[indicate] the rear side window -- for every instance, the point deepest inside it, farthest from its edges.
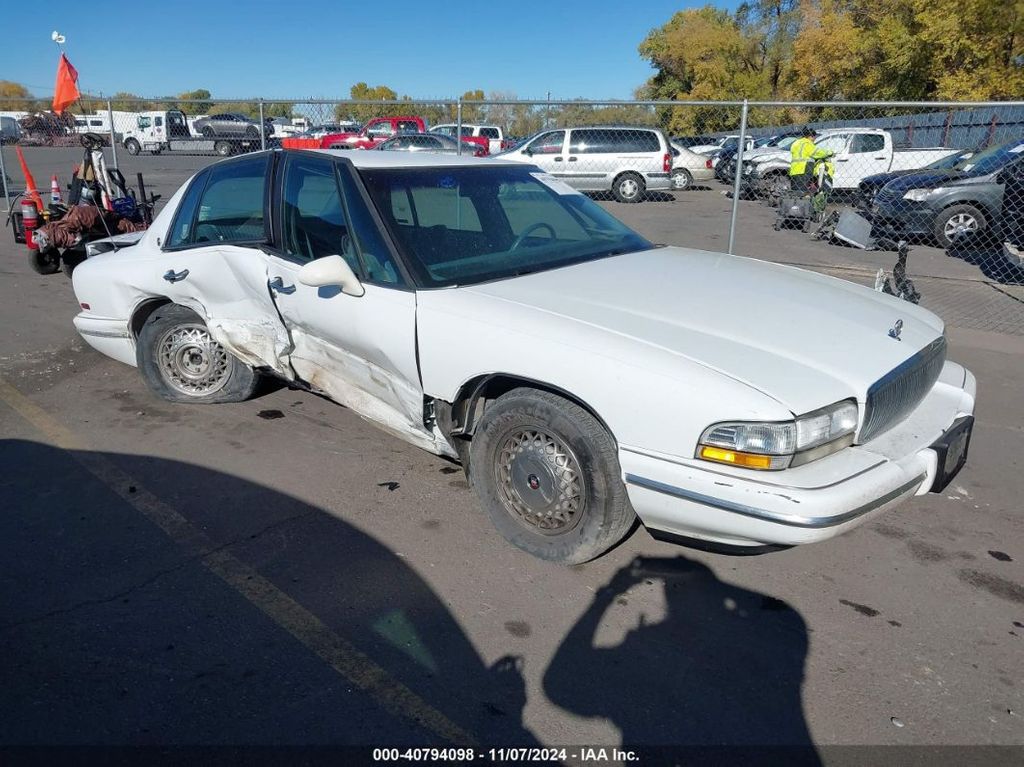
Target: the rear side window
(867, 142)
(489, 132)
(231, 206)
(613, 140)
(181, 228)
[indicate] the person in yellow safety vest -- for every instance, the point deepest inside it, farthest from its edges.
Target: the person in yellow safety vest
(804, 154)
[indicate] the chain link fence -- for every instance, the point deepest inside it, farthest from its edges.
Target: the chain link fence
(921, 200)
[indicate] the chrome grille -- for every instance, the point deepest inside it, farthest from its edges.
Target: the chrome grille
(893, 396)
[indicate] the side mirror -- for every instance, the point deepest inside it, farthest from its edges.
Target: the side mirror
(528, 152)
(331, 271)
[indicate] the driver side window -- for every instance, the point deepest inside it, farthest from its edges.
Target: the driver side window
(313, 221)
(548, 143)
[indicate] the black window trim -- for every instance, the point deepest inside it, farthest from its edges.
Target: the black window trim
(204, 176)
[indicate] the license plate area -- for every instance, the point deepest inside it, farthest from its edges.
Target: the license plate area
(952, 449)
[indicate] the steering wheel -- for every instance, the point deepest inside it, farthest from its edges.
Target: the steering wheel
(532, 228)
(91, 141)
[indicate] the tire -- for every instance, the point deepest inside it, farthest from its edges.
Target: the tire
(132, 146)
(44, 262)
(207, 131)
(966, 216)
(681, 179)
(180, 362)
(629, 187)
(223, 148)
(529, 441)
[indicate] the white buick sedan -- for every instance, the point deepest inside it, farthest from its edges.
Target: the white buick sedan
(583, 376)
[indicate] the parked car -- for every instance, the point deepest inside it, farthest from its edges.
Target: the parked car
(689, 142)
(869, 187)
(999, 248)
(230, 125)
(725, 168)
(857, 154)
(628, 161)
(485, 311)
(688, 167)
(374, 132)
(429, 142)
(10, 131)
(723, 142)
(492, 134)
(940, 203)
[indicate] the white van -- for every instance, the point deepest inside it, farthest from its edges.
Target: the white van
(626, 160)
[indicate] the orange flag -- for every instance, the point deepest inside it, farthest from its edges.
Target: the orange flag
(65, 92)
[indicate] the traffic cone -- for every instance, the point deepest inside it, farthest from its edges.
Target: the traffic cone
(31, 193)
(54, 190)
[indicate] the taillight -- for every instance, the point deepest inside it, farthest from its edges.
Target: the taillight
(708, 165)
(666, 162)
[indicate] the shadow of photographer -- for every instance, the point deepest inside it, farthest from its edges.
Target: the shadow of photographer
(723, 667)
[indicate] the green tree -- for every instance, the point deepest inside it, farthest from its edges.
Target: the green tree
(363, 112)
(15, 97)
(197, 103)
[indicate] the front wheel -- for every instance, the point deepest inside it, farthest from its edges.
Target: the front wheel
(222, 148)
(547, 474)
(958, 219)
(132, 146)
(180, 361)
(207, 131)
(681, 179)
(629, 187)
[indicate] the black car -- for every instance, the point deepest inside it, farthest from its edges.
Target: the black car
(942, 203)
(869, 186)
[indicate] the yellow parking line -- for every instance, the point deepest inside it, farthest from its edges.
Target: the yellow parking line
(393, 696)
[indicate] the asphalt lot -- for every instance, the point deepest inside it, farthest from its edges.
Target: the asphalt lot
(280, 572)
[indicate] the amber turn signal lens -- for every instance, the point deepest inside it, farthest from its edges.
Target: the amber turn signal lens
(736, 458)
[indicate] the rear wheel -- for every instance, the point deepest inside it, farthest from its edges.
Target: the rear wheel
(223, 148)
(629, 187)
(132, 146)
(44, 261)
(957, 219)
(547, 474)
(681, 179)
(180, 361)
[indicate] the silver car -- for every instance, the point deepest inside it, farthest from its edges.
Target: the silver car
(229, 124)
(425, 142)
(628, 161)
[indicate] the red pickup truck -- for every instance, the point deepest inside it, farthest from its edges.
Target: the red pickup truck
(374, 132)
(380, 129)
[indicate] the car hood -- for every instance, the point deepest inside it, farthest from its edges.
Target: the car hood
(881, 179)
(802, 338)
(934, 179)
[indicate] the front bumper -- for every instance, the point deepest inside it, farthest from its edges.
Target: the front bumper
(819, 500)
(904, 218)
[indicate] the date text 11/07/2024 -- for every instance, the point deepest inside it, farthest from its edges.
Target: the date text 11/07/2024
(506, 755)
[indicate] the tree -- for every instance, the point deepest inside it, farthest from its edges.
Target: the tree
(196, 103)
(473, 113)
(21, 99)
(123, 101)
(363, 112)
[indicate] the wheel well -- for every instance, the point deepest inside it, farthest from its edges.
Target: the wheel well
(143, 311)
(979, 205)
(475, 395)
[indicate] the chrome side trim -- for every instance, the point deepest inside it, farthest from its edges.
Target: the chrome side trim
(792, 520)
(704, 466)
(105, 333)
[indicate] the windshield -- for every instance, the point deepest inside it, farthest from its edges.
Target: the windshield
(464, 225)
(992, 159)
(949, 162)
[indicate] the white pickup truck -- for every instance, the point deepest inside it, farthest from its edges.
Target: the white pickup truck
(857, 154)
(493, 133)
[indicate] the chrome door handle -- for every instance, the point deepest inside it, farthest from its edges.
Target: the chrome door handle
(557, 159)
(172, 276)
(277, 285)
(572, 159)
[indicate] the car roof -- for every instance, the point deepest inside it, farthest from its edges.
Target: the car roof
(370, 159)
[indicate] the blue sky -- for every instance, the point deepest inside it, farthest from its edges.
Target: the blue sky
(244, 48)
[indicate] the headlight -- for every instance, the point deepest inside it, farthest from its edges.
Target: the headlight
(920, 195)
(780, 445)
